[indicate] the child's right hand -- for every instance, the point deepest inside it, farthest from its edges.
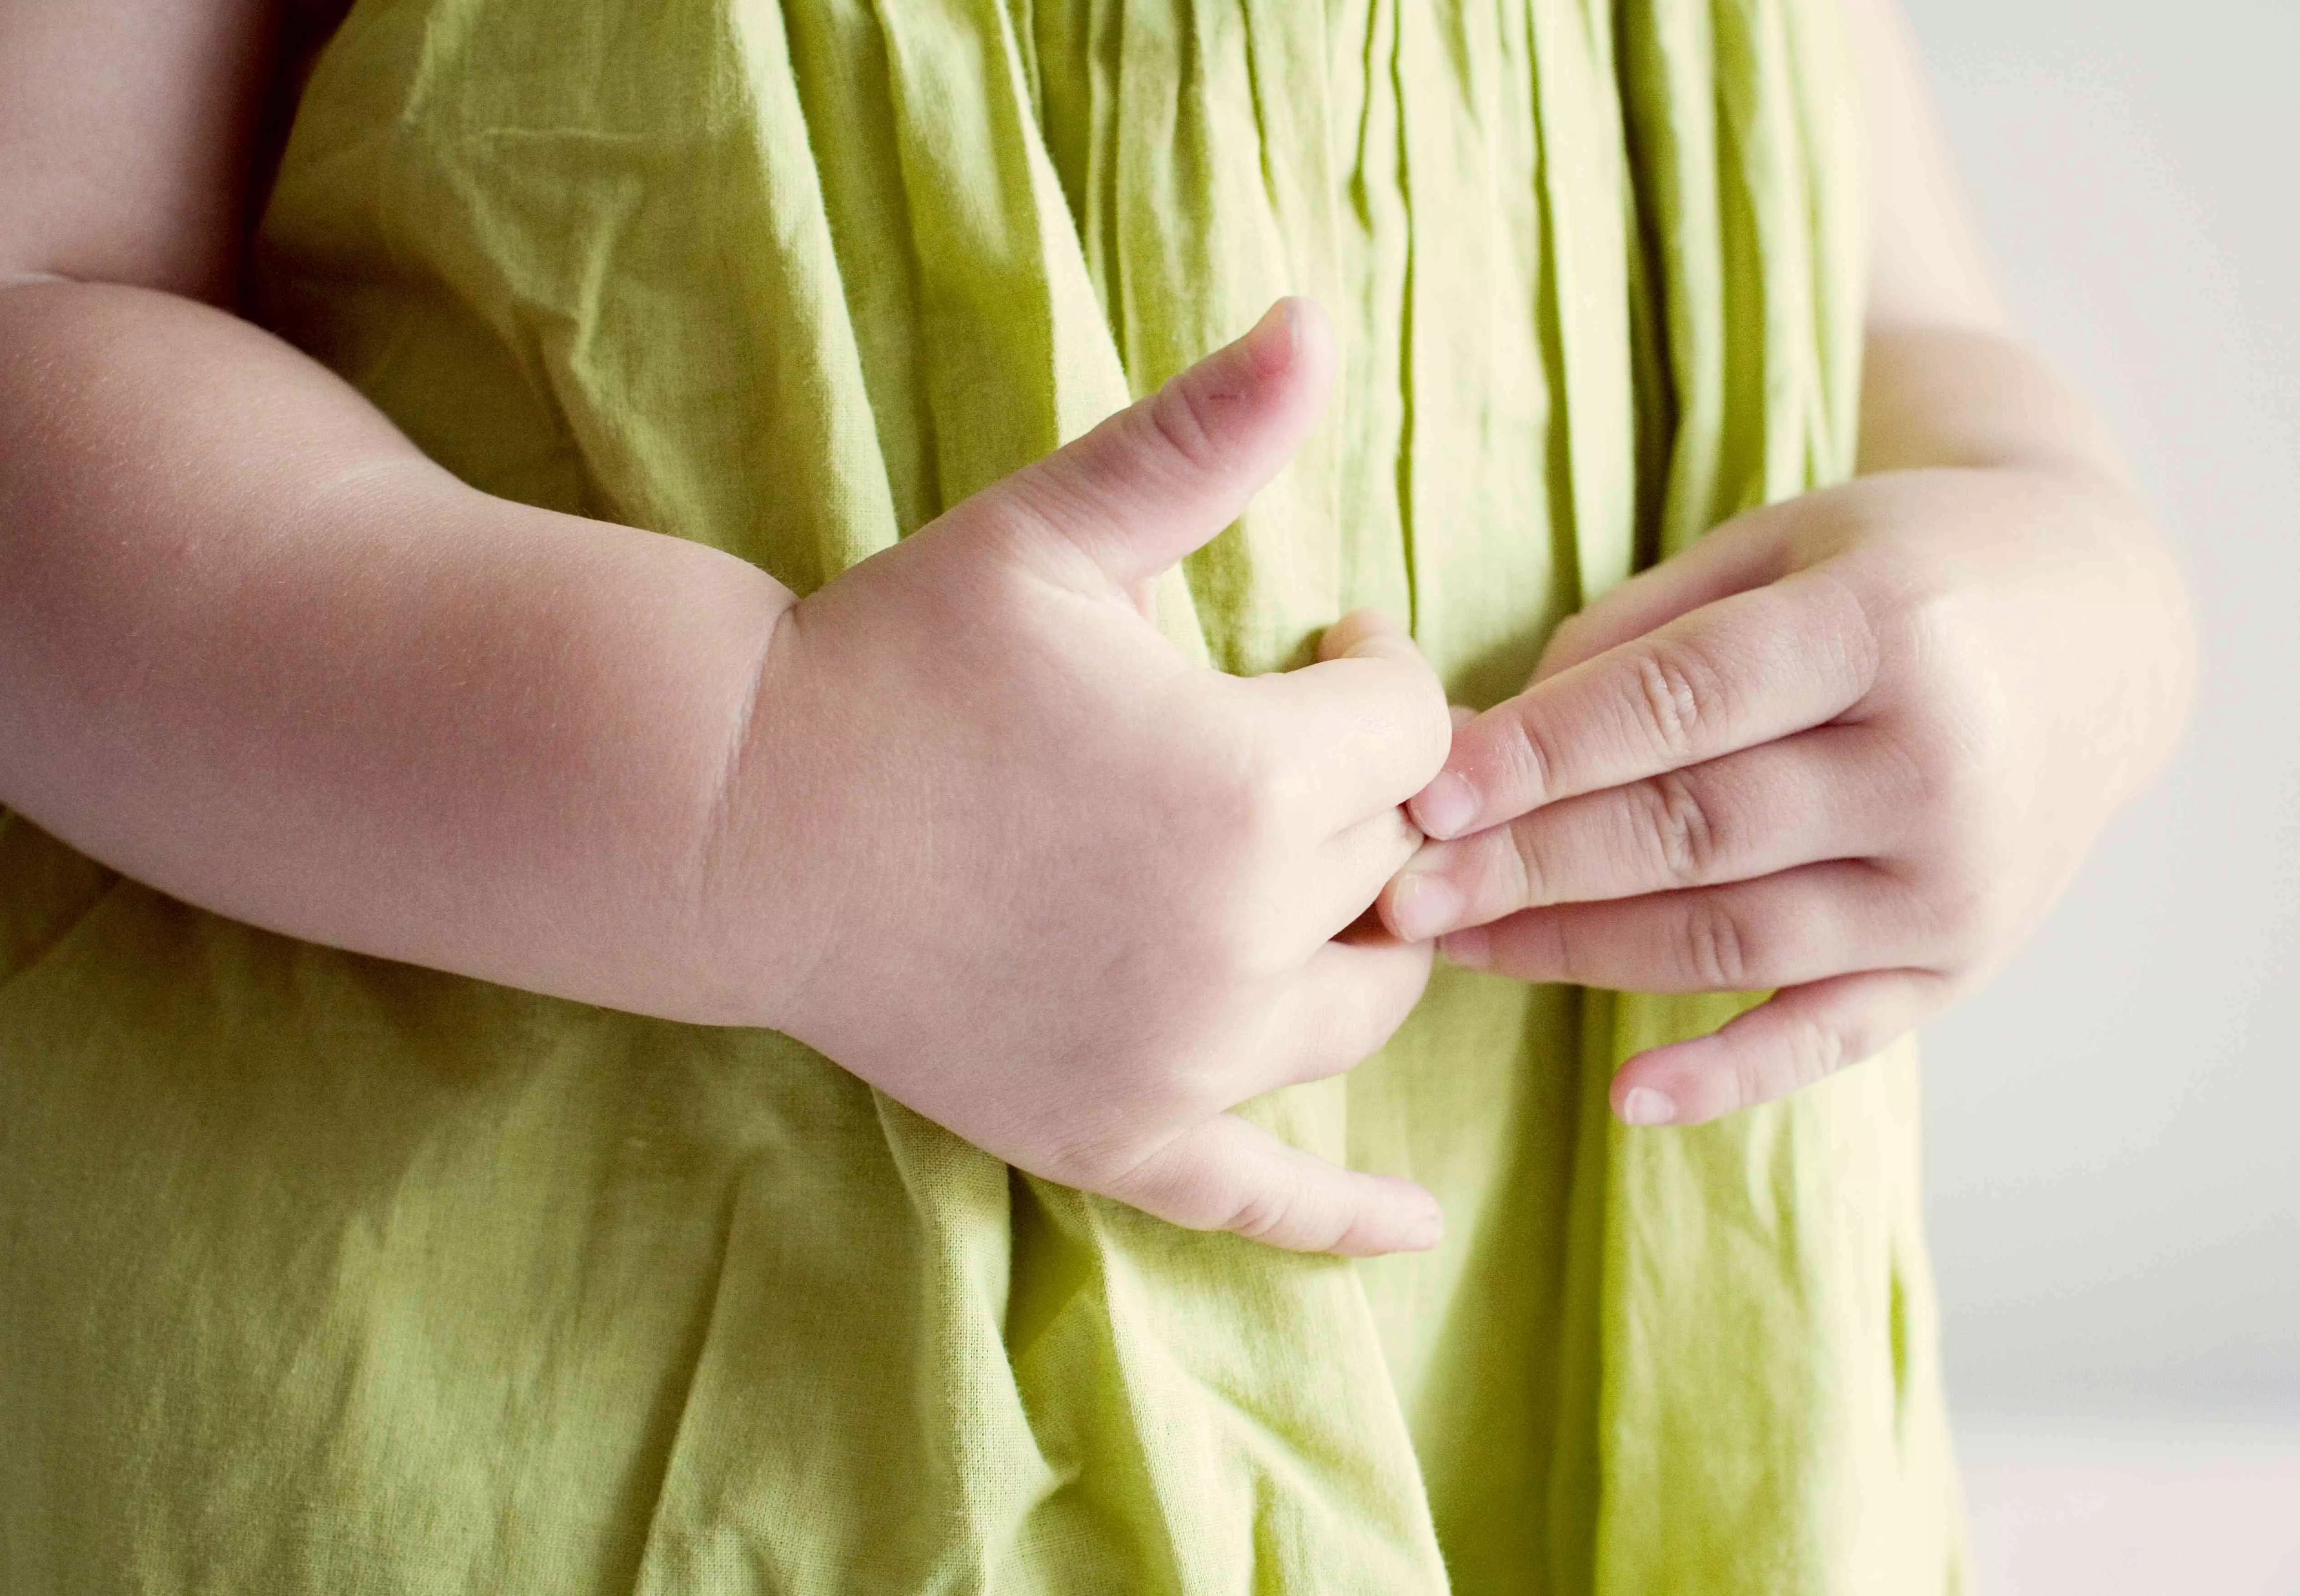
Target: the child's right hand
(1041, 878)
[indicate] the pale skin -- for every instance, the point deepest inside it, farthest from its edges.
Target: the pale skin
(962, 818)
(1852, 746)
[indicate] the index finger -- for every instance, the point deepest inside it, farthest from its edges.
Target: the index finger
(1362, 730)
(1744, 670)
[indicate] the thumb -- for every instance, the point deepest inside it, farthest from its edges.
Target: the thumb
(1230, 1173)
(1162, 477)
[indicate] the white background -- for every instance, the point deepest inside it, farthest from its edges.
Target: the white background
(2115, 1136)
(2114, 1127)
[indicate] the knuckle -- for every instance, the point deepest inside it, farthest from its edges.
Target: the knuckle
(1185, 417)
(1191, 1093)
(1528, 761)
(1677, 828)
(1516, 871)
(1093, 1159)
(1962, 771)
(1679, 695)
(1214, 945)
(1717, 946)
(1038, 509)
(1964, 918)
(1912, 784)
(1262, 805)
(1232, 932)
(1816, 1050)
(1969, 712)
(1236, 792)
(1804, 1052)
(1966, 723)
(1753, 1079)
(1246, 947)
(1262, 1212)
(1751, 1075)
(1851, 628)
(1920, 611)
(1140, 1164)
(1979, 752)
(1541, 946)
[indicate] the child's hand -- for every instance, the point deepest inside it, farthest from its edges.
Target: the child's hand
(1066, 893)
(1851, 746)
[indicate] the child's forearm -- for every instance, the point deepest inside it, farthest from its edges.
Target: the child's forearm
(963, 819)
(1952, 394)
(256, 651)
(1963, 398)
(1943, 384)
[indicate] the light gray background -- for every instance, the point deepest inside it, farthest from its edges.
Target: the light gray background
(2114, 1127)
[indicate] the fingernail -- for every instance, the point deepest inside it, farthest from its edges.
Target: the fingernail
(1444, 807)
(1424, 904)
(1274, 338)
(1645, 1105)
(1472, 948)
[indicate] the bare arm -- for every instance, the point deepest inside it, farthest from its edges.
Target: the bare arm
(258, 651)
(1849, 747)
(962, 820)
(1948, 386)
(1948, 383)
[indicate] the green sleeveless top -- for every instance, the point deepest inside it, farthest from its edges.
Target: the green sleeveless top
(323, 1274)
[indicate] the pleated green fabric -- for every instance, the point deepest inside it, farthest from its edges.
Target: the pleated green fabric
(323, 1274)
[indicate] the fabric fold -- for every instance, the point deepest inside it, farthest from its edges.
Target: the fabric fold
(318, 1271)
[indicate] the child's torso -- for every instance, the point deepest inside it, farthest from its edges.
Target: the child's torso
(329, 1271)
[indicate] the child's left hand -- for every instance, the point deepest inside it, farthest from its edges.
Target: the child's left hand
(1851, 746)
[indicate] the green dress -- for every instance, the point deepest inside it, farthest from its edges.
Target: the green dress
(320, 1273)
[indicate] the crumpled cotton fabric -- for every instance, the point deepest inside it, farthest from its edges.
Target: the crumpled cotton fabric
(320, 1273)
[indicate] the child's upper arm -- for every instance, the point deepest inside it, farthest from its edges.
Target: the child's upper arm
(125, 127)
(1927, 261)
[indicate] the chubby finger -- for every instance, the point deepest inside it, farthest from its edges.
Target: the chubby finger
(1746, 669)
(1360, 730)
(1781, 1046)
(1747, 552)
(1358, 865)
(1366, 632)
(1780, 930)
(1819, 796)
(1346, 1002)
(1230, 1173)
(1113, 508)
